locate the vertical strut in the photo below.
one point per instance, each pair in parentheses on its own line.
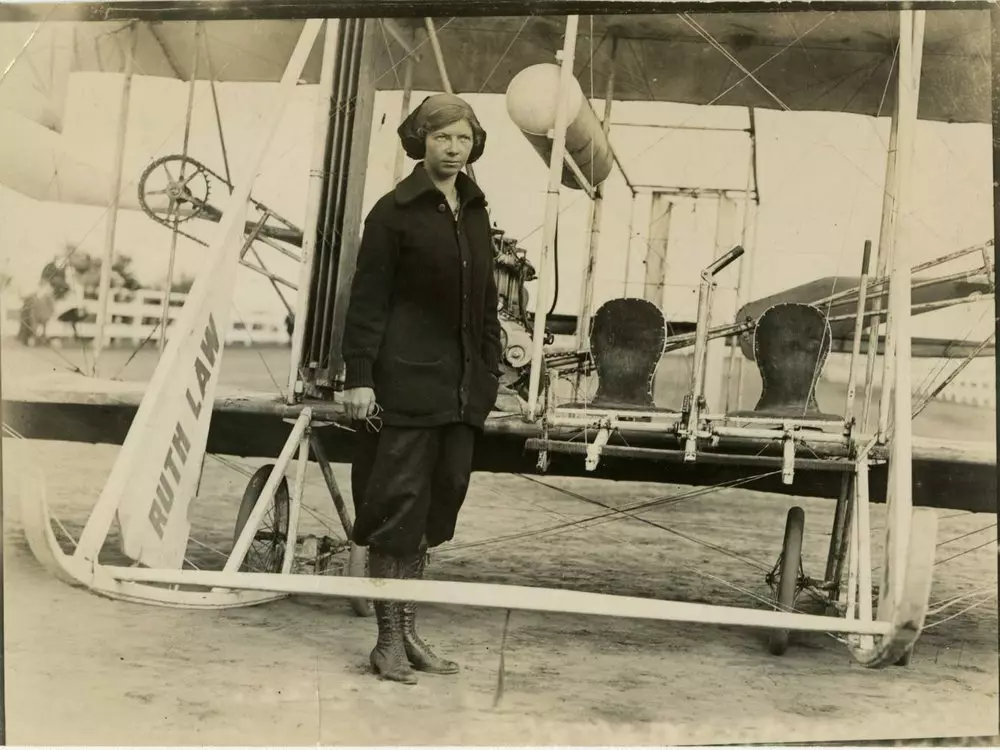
(751,198)
(333,231)
(551,212)
(858,328)
(323,244)
(596,209)
(355,160)
(111,221)
(628,242)
(404,110)
(299,364)
(339,214)
(899,501)
(168,286)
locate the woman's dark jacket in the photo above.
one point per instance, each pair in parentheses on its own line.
(422,327)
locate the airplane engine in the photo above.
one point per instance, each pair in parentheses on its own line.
(531,104)
(512,270)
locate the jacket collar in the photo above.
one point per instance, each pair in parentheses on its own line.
(418,183)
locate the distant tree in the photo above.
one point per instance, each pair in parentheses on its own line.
(183,284)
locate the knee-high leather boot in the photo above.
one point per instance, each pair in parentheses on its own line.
(418,652)
(388,658)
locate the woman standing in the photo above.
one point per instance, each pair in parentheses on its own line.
(422,354)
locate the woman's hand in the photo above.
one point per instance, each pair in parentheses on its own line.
(359,403)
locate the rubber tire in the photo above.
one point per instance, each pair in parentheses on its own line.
(254,487)
(357,567)
(788,574)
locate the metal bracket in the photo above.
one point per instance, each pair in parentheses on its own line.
(594,449)
(788,457)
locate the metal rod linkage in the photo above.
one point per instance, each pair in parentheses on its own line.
(695,396)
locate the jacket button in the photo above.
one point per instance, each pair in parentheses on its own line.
(441,207)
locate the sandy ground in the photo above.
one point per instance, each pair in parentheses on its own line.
(81,669)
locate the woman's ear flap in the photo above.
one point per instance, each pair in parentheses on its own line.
(413,144)
(478,146)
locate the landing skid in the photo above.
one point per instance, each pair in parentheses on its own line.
(874,642)
(79,573)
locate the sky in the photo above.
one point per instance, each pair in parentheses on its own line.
(820,177)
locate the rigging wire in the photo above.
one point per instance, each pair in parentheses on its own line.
(976,605)
(750,75)
(963,553)
(503,55)
(949,603)
(968,534)
(628,511)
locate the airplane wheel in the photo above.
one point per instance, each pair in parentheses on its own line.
(267,550)
(357,567)
(788,575)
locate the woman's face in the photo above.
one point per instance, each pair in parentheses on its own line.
(448,149)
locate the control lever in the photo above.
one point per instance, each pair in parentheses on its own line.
(720,263)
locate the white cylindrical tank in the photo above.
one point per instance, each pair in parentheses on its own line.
(531,103)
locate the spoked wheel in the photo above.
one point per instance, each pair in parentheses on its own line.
(786,577)
(267,550)
(357,567)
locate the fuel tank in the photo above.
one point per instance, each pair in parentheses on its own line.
(531,103)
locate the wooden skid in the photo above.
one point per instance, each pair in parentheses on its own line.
(45,547)
(907,619)
(503,596)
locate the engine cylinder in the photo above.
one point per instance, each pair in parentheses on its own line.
(531,103)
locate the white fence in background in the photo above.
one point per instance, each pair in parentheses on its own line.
(134,317)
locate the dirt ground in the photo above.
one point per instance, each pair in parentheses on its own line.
(81,669)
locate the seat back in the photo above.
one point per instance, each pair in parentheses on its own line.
(791,343)
(628,336)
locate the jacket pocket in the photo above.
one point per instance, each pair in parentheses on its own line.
(414,388)
(485,386)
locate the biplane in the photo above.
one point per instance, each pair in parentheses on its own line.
(855,453)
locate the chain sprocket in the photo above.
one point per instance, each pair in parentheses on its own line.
(178,191)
